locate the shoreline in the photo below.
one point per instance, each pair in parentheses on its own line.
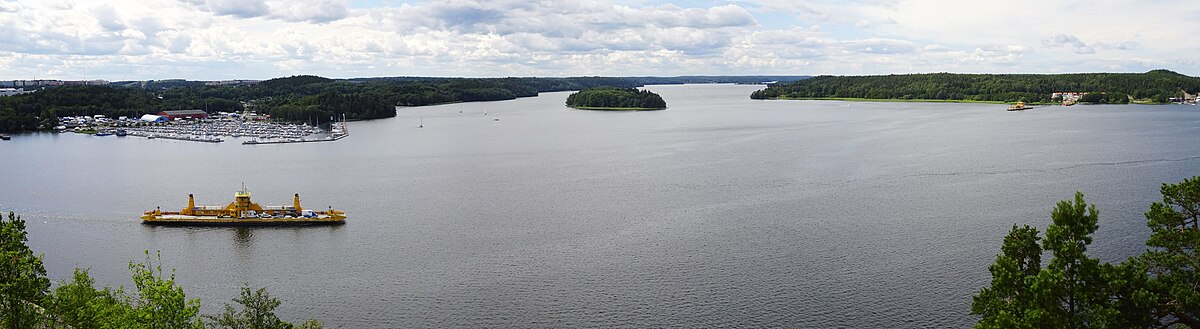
(894,100)
(631,109)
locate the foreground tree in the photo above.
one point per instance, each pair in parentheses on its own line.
(1073,290)
(157,303)
(1005,303)
(1158,289)
(161,303)
(258,312)
(1071,284)
(1173,259)
(23,281)
(79,304)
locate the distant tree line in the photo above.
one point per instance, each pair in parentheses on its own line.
(1118,88)
(1158,289)
(297,98)
(616,98)
(155,301)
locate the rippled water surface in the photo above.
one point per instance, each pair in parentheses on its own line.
(719,212)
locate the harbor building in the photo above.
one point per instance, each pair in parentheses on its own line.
(153,118)
(180,114)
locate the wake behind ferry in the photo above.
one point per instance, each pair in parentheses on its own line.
(244,212)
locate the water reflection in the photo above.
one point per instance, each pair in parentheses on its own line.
(243,238)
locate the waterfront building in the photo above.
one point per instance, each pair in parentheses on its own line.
(179,114)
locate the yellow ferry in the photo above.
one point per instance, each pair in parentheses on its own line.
(244,212)
(1019,106)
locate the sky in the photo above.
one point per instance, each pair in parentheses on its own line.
(263,39)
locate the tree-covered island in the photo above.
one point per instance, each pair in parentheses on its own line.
(1158,86)
(616,99)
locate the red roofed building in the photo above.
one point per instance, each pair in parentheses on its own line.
(195,114)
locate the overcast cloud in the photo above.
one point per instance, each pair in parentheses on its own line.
(259,39)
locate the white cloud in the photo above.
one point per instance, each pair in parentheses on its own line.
(108,18)
(9,7)
(316,11)
(238,8)
(208,39)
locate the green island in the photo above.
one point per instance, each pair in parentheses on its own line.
(616,99)
(1154,87)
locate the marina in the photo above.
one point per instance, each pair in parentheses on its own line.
(210,130)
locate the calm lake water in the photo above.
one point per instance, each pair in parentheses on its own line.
(719,212)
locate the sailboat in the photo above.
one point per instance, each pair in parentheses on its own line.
(422,124)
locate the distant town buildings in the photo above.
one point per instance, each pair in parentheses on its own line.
(12,91)
(230,82)
(1186,99)
(1068,97)
(40,83)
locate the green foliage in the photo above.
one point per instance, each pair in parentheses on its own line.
(1005,303)
(79,304)
(157,303)
(1109,88)
(1130,302)
(161,303)
(1159,288)
(1071,283)
(258,312)
(1174,257)
(309,324)
(616,97)
(23,281)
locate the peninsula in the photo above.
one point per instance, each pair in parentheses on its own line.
(1158,86)
(616,99)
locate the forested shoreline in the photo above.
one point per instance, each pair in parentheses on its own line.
(297,98)
(1156,86)
(301,98)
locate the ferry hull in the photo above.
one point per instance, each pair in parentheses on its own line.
(241,222)
(243,212)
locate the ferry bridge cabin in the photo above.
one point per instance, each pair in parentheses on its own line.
(180,114)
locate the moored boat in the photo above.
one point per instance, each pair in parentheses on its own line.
(243,212)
